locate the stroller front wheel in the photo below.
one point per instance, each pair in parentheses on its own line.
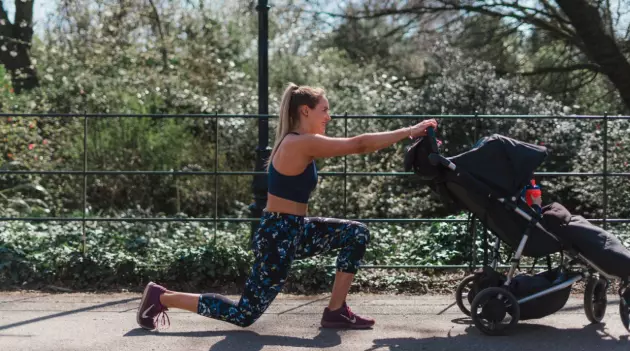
(595,299)
(464,294)
(495,310)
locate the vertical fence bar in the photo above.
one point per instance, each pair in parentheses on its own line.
(85,160)
(216,174)
(474,218)
(477,126)
(345,170)
(605,171)
(263,151)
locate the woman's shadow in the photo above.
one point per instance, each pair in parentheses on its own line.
(246,340)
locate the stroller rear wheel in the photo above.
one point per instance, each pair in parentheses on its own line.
(595,299)
(624,308)
(495,310)
(464,294)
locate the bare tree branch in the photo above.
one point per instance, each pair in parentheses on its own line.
(586,26)
(600,47)
(518,12)
(401,27)
(564,69)
(158,25)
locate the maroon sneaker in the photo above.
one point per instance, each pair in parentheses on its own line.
(151,308)
(345,318)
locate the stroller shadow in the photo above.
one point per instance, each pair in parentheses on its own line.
(523,337)
(246,340)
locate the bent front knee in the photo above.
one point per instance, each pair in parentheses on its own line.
(362,235)
(246,323)
(247,320)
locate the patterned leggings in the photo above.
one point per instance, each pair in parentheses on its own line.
(280,239)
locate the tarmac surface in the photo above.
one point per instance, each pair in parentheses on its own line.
(79,321)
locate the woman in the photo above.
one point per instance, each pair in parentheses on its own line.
(285,233)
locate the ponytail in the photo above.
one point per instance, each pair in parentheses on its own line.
(293,97)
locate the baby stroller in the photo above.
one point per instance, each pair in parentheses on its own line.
(487,181)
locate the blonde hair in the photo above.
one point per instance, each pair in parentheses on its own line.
(293,97)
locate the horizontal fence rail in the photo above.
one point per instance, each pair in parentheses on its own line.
(605,174)
(334,116)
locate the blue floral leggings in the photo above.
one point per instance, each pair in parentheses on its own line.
(280,239)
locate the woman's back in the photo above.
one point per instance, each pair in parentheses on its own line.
(291,179)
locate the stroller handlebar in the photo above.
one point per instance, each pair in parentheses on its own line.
(433,140)
(435,158)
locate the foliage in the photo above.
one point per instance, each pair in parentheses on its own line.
(126,65)
(189,256)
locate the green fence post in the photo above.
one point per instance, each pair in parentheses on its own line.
(85,161)
(216,174)
(345,170)
(605,171)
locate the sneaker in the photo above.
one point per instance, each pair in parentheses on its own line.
(151,309)
(345,318)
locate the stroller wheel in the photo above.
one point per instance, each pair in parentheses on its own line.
(464,294)
(495,310)
(624,309)
(595,300)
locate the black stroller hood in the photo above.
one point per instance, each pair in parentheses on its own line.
(496,167)
(504,164)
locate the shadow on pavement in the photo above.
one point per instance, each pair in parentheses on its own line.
(245,340)
(522,337)
(65,313)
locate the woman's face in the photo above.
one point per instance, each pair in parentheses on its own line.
(317,118)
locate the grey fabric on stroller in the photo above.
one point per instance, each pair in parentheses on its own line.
(601,247)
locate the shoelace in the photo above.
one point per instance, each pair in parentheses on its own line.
(349,311)
(159,323)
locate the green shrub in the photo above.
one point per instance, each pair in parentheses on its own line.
(191,257)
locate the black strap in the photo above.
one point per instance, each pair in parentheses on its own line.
(485,240)
(286,136)
(470,231)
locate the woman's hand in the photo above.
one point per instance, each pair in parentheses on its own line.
(420,129)
(536,200)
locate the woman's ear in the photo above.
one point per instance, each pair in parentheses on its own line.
(304,110)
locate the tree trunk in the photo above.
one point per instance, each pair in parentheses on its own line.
(599,45)
(15,45)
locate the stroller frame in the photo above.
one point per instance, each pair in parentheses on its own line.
(503,302)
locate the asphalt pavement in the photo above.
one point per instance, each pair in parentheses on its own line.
(80,321)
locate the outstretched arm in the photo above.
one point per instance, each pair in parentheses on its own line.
(319,146)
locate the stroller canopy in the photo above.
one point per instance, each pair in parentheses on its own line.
(506,165)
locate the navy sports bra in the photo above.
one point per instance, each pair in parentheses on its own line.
(296,188)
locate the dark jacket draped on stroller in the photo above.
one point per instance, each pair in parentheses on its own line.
(601,247)
(487,181)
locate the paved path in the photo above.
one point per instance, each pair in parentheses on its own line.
(40,321)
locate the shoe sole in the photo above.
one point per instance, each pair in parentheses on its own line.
(144,297)
(344,325)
